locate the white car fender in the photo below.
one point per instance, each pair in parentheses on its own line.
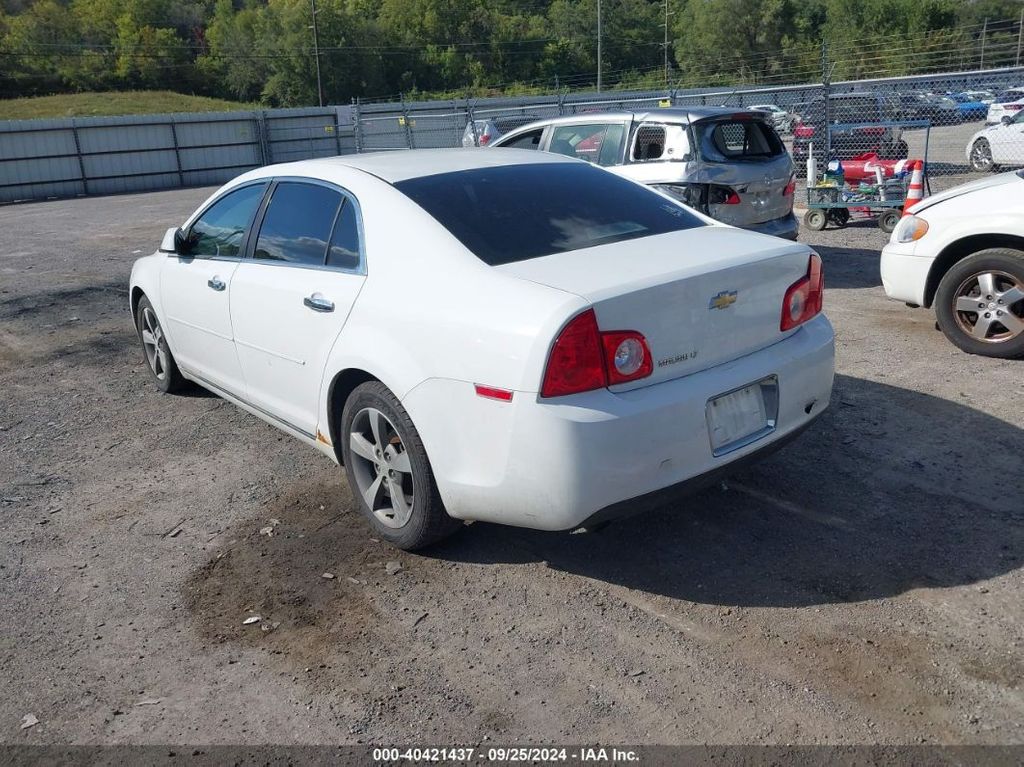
(145,279)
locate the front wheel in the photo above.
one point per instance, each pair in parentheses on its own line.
(389,472)
(815,219)
(981,156)
(979,304)
(888,219)
(157,353)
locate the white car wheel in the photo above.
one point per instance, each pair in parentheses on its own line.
(388,470)
(981,156)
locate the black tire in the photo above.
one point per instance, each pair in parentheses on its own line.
(839,216)
(982,332)
(158,358)
(427,521)
(815,219)
(888,219)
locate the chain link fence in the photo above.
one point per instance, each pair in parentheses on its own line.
(963,125)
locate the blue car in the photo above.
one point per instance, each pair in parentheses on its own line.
(969,108)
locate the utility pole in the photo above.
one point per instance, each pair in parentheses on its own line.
(1020,33)
(665,44)
(598,46)
(984,32)
(316,55)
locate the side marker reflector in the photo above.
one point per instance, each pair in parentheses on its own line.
(490,392)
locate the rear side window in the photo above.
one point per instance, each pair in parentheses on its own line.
(518,212)
(649,143)
(297,225)
(344,250)
(597,143)
(737,140)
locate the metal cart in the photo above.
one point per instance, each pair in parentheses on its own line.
(837,205)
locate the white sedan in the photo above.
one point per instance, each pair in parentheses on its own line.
(508,336)
(997,145)
(1006,104)
(963,252)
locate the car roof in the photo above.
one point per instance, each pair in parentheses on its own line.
(401,165)
(667,114)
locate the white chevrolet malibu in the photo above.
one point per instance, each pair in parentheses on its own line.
(507,336)
(962,251)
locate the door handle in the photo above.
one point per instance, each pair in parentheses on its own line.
(318,303)
(216,283)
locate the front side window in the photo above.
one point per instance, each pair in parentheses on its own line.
(298,224)
(596,143)
(221,229)
(737,140)
(513,213)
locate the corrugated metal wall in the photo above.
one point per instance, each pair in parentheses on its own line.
(109,155)
(106,155)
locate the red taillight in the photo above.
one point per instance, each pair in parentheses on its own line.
(583,358)
(790,187)
(484,139)
(804,297)
(722,195)
(803,131)
(575,362)
(1013,106)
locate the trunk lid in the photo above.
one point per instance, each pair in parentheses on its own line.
(701,297)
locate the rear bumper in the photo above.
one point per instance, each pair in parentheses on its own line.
(786,227)
(554,464)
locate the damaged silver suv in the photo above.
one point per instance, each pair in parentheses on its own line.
(729,164)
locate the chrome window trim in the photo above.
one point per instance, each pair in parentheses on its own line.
(348,197)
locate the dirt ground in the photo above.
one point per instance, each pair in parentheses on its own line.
(861,586)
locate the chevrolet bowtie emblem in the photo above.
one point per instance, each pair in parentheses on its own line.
(723,300)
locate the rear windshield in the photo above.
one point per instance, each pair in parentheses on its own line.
(854,110)
(737,140)
(518,212)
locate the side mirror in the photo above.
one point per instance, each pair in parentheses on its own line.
(170,241)
(1006,120)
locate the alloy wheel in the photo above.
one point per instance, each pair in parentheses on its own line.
(981,155)
(989,307)
(381,466)
(153,343)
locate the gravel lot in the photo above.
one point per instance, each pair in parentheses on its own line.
(861,586)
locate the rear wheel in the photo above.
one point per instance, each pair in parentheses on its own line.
(839,216)
(980,303)
(888,219)
(815,219)
(389,472)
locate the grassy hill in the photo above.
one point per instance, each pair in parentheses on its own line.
(113,103)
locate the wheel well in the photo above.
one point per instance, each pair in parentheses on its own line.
(960,250)
(137,295)
(341,387)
